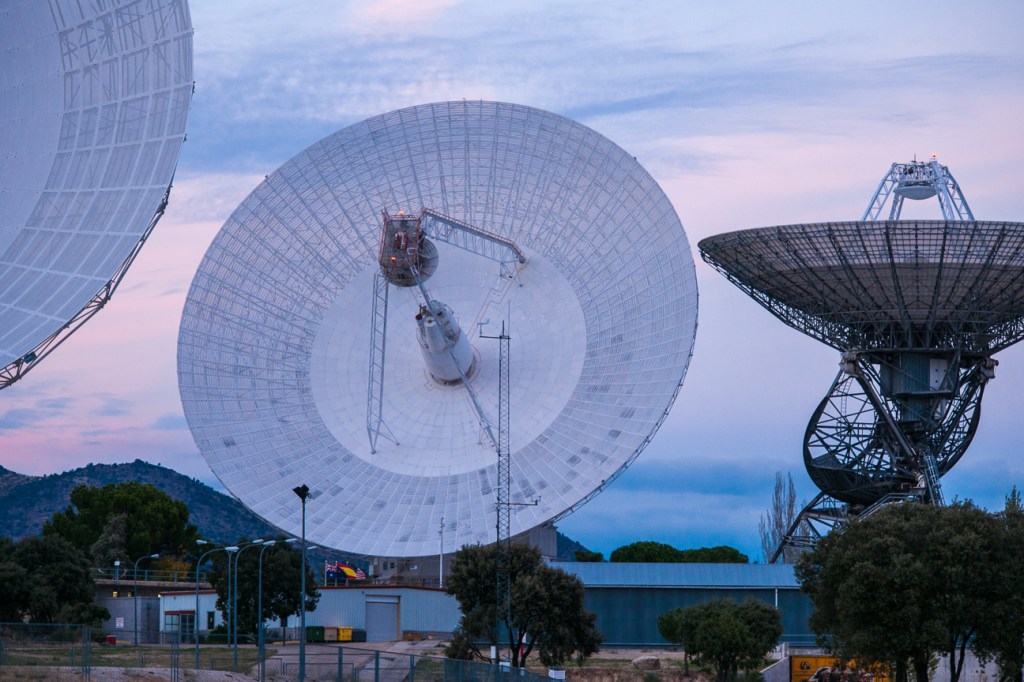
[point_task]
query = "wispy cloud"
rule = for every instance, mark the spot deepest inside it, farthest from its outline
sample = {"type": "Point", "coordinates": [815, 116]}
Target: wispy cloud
{"type": "Point", "coordinates": [170, 422]}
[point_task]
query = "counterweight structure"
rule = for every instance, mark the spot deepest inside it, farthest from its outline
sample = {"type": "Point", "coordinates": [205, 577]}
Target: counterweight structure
{"type": "Point", "coordinates": [916, 309]}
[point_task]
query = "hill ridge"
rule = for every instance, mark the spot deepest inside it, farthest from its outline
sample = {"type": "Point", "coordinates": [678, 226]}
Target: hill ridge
{"type": "Point", "coordinates": [27, 502]}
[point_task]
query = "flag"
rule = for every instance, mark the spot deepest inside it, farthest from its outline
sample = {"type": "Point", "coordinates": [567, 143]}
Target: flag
{"type": "Point", "coordinates": [342, 570]}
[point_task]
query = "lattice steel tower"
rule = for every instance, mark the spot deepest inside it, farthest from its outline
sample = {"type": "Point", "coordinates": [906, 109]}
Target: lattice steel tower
{"type": "Point", "coordinates": [916, 309]}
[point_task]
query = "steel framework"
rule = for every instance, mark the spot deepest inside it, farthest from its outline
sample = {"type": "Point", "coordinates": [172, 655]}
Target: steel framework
{"type": "Point", "coordinates": [916, 308]}
{"type": "Point", "coordinates": [464, 236]}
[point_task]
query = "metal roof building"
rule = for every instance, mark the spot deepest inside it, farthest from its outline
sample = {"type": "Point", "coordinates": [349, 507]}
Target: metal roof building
{"type": "Point", "coordinates": [628, 598]}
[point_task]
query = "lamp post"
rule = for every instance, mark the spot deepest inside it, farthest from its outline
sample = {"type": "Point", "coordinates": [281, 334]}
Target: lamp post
{"type": "Point", "coordinates": [227, 602]}
{"type": "Point", "coordinates": [135, 596]}
{"type": "Point", "coordinates": [259, 604]}
{"type": "Point", "coordinates": [234, 600]}
{"type": "Point", "coordinates": [303, 492]}
{"type": "Point", "coordinates": [199, 564]}
{"type": "Point", "coordinates": [259, 607]}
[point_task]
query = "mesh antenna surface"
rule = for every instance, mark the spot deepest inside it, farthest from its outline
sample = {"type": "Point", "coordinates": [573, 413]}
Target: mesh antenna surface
{"type": "Point", "coordinates": [916, 308]}
{"type": "Point", "coordinates": [93, 101]}
{"type": "Point", "coordinates": [333, 334]}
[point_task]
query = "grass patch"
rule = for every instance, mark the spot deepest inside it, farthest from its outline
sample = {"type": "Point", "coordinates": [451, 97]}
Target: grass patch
{"type": "Point", "coordinates": [210, 657]}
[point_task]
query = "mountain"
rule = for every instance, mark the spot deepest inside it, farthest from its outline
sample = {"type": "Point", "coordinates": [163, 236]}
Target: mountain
{"type": "Point", "coordinates": [26, 502]}
{"type": "Point", "coordinates": [567, 547]}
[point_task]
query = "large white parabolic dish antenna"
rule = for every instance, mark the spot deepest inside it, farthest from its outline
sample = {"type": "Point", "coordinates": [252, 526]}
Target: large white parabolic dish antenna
{"type": "Point", "coordinates": [93, 101]}
{"type": "Point", "coordinates": [275, 342]}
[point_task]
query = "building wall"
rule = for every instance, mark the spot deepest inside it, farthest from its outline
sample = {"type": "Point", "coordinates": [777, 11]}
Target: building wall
{"type": "Point", "coordinates": [420, 609]}
{"type": "Point", "coordinates": [628, 616]}
{"type": "Point", "coordinates": [123, 612]}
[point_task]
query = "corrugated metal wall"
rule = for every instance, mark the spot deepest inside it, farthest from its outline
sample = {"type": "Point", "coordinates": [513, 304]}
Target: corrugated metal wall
{"type": "Point", "coordinates": [628, 616]}
{"type": "Point", "coordinates": [420, 610]}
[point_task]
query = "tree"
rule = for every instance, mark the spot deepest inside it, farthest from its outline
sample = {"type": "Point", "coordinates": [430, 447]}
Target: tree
{"type": "Point", "coordinates": [658, 552]}
{"type": "Point", "coordinates": [720, 554]}
{"type": "Point", "coordinates": [646, 552]}
{"type": "Point", "coordinates": [677, 629]}
{"type": "Point", "coordinates": [1001, 636]}
{"type": "Point", "coordinates": [14, 591]}
{"type": "Point", "coordinates": [282, 583]}
{"type": "Point", "coordinates": [546, 610]}
{"type": "Point", "coordinates": [587, 556]}
{"type": "Point", "coordinates": [154, 521]}
{"type": "Point", "coordinates": [110, 545]}
{"type": "Point", "coordinates": [777, 521]}
{"type": "Point", "coordinates": [727, 635]}
{"type": "Point", "coordinates": [59, 584]}
{"type": "Point", "coordinates": [906, 582]}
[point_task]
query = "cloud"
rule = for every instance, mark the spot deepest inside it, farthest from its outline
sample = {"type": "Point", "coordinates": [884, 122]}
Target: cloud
{"type": "Point", "coordinates": [170, 422]}
{"type": "Point", "coordinates": [17, 419]}
{"type": "Point", "coordinates": [111, 406]}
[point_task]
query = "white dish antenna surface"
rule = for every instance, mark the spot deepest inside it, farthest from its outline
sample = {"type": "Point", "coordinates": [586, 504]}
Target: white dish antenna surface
{"type": "Point", "coordinates": [93, 102]}
{"type": "Point", "coordinates": [275, 346]}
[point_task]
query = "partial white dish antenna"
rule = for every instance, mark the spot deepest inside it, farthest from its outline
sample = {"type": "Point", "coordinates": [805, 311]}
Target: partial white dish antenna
{"type": "Point", "coordinates": [93, 102]}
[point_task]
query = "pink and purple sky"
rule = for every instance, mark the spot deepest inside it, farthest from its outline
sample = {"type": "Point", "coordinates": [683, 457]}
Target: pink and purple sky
{"type": "Point", "coordinates": [747, 113]}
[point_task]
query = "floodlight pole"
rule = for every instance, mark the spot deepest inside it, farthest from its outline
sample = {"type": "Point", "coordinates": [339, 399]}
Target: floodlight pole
{"type": "Point", "coordinates": [234, 600]}
{"type": "Point", "coordinates": [135, 595]}
{"type": "Point", "coordinates": [440, 557]}
{"type": "Point", "coordinates": [199, 564]}
{"type": "Point", "coordinates": [259, 607]}
{"type": "Point", "coordinates": [303, 492]}
{"type": "Point", "coordinates": [227, 605]}
{"type": "Point", "coordinates": [503, 491]}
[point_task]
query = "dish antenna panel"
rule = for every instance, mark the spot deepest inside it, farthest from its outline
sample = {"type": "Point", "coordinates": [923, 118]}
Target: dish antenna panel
{"type": "Point", "coordinates": [95, 97]}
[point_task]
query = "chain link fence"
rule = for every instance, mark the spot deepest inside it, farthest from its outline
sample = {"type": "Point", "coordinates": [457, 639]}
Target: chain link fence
{"type": "Point", "coordinates": [30, 649]}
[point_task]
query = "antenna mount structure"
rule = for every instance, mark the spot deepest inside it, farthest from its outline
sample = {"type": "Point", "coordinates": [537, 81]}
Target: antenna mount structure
{"type": "Point", "coordinates": [916, 309]}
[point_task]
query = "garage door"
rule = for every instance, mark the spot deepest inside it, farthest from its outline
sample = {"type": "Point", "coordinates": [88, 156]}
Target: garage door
{"type": "Point", "coordinates": [381, 619]}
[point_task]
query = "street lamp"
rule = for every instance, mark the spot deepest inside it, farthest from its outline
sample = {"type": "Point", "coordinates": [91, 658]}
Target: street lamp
{"type": "Point", "coordinates": [199, 564]}
{"type": "Point", "coordinates": [227, 602]}
{"type": "Point", "coordinates": [303, 492]}
{"type": "Point", "coordinates": [234, 600]}
{"type": "Point", "coordinates": [259, 604]}
{"type": "Point", "coordinates": [135, 595]}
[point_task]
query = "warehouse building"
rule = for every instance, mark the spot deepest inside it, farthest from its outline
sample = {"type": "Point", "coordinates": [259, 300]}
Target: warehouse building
{"type": "Point", "coordinates": [627, 599]}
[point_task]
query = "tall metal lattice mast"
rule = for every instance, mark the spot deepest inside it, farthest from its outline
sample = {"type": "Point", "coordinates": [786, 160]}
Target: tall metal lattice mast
{"type": "Point", "coordinates": [503, 493]}
{"type": "Point", "coordinates": [916, 309]}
